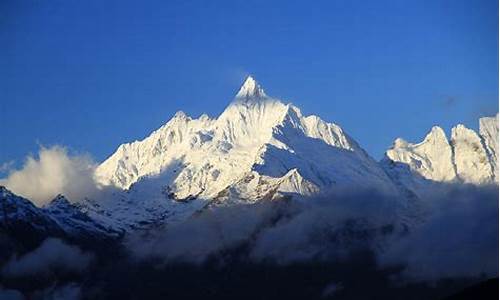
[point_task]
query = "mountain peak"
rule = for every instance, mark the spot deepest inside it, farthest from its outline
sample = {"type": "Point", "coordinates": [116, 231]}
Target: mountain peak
{"type": "Point", "coordinates": [436, 134]}
{"type": "Point", "coordinates": [58, 201]}
{"type": "Point", "coordinates": [250, 90]}
{"type": "Point", "coordinates": [60, 198]}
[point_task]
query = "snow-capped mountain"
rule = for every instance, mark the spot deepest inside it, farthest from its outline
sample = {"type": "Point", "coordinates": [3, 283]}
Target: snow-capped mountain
{"type": "Point", "coordinates": [72, 220]}
{"type": "Point", "coordinates": [18, 212]}
{"type": "Point", "coordinates": [255, 133]}
{"type": "Point", "coordinates": [58, 218]}
{"type": "Point", "coordinates": [467, 157]}
{"type": "Point", "coordinates": [258, 148]}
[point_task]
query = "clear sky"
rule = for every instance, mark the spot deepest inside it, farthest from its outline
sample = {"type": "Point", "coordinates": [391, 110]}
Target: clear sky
{"type": "Point", "coordinates": [93, 74]}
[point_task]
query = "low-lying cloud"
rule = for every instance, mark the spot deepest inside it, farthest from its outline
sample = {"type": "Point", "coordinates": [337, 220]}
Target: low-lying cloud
{"type": "Point", "coordinates": [328, 228]}
{"type": "Point", "coordinates": [208, 233]}
{"type": "Point", "coordinates": [53, 255]}
{"type": "Point", "coordinates": [70, 291]}
{"type": "Point", "coordinates": [53, 172]}
{"type": "Point", "coordinates": [9, 294]}
{"type": "Point", "coordinates": [452, 234]}
{"type": "Point", "coordinates": [281, 232]}
{"type": "Point", "coordinates": [458, 239]}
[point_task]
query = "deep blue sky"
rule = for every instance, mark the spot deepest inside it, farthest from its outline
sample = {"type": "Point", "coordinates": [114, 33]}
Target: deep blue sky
{"type": "Point", "coordinates": [93, 74]}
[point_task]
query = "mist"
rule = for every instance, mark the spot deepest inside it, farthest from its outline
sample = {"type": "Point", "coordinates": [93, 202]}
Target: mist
{"type": "Point", "coordinates": [459, 237]}
{"type": "Point", "coordinates": [455, 236]}
{"type": "Point", "coordinates": [53, 255]}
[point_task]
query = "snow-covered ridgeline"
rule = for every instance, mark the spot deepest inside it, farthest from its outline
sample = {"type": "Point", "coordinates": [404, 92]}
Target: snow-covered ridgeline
{"type": "Point", "coordinates": [467, 157]}
{"type": "Point", "coordinates": [205, 156]}
{"type": "Point", "coordinates": [259, 148]}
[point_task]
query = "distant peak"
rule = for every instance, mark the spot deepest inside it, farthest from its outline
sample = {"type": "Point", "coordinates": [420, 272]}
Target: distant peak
{"type": "Point", "coordinates": [250, 89]}
{"type": "Point", "coordinates": [59, 199]}
{"type": "Point", "coordinates": [436, 133]}
{"type": "Point", "coordinates": [400, 143]}
{"type": "Point", "coordinates": [180, 114]}
{"type": "Point", "coordinates": [460, 131]}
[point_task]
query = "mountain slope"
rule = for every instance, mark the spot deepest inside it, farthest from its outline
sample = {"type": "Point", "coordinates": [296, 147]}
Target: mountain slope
{"type": "Point", "coordinates": [72, 220]}
{"type": "Point", "coordinates": [58, 218]}
{"type": "Point", "coordinates": [20, 213]}
{"type": "Point", "coordinates": [488, 129]}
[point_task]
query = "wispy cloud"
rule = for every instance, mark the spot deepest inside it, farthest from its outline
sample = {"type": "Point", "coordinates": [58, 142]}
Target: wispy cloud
{"type": "Point", "coordinates": [52, 255]}
{"type": "Point", "coordinates": [281, 232]}
{"type": "Point", "coordinates": [456, 236]}
{"type": "Point", "coordinates": [459, 238]}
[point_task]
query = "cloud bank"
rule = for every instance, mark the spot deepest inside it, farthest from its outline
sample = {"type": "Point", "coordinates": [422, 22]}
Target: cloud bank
{"type": "Point", "coordinates": [53, 172]}
{"type": "Point", "coordinates": [53, 255]}
{"type": "Point", "coordinates": [456, 234]}
{"type": "Point", "coordinates": [206, 234]}
{"type": "Point", "coordinates": [458, 239]}
{"type": "Point", "coordinates": [8, 294]}
{"type": "Point", "coordinates": [279, 232]}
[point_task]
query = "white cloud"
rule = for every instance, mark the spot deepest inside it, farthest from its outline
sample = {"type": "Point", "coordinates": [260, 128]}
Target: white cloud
{"type": "Point", "coordinates": [281, 232]}
{"type": "Point", "coordinates": [52, 255]}
{"type": "Point", "coordinates": [459, 238]}
{"type": "Point", "coordinates": [204, 235]}
{"type": "Point", "coordinates": [54, 171]}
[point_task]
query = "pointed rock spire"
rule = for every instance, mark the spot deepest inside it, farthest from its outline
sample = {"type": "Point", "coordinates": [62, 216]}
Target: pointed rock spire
{"type": "Point", "coordinates": [250, 90]}
{"type": "Point", "coordinates": [436, 135]}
